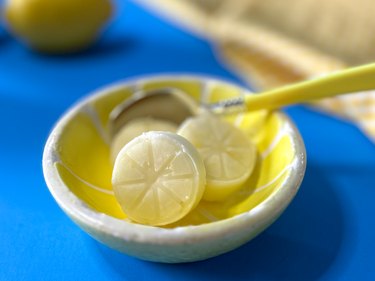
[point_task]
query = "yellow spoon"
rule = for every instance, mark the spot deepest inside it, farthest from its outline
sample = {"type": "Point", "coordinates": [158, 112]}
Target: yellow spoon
{"type": "Point", "coordinates": [173, 105]}
{"type": "Point", "coordinates": [350, 80]}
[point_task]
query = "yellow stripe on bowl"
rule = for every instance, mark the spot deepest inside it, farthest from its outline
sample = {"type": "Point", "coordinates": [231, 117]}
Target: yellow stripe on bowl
{"type": "Point", "coordinates": [215, 91]}
{"type": "Point", "coordinates": [189, 86]}
{"type": "Point", "coordinates": [83, 150]}
{"type": "Point", "coordinates": [97, 198]}
{"type": "Point", "coordinates": [105, 104]}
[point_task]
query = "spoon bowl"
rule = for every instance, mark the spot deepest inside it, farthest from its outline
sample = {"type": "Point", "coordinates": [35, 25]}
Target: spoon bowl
{"type": "Point", "coordinates": [156, 104]}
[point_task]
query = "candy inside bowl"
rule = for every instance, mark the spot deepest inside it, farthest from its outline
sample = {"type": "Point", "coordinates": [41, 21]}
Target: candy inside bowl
{"type": "Point", "coordinates": [78, 169]}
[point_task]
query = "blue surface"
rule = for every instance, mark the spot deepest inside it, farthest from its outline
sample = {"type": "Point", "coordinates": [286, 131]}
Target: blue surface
{"type": "Point", "coordinates": [327, 233]}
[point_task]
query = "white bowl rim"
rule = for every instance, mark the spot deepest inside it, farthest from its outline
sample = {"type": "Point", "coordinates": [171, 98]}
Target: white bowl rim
{"type": "Point", "coordinates": [80, 212]}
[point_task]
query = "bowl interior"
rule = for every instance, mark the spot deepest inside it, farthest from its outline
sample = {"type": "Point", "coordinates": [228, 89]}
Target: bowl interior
{"type": "Point", "coordinates": [83, 155]}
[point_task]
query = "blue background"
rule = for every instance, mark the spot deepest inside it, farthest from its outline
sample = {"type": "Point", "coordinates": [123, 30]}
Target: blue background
{"type": "Point", "coordinates": [327, 233]}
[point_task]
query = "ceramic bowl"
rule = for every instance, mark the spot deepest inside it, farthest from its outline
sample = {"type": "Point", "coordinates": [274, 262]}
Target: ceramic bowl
{"type": "Point", "coordinates": [77, 169]}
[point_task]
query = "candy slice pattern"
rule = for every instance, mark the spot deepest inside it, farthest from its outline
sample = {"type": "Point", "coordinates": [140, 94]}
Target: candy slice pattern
{"type": "Point", "coordinates": [158, 178]}
{"type": "Point", "coordinates": [228, 154]}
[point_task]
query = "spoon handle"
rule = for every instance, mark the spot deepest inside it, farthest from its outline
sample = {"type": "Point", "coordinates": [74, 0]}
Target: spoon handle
{"type": "Point", "coordinates": [351, 80]}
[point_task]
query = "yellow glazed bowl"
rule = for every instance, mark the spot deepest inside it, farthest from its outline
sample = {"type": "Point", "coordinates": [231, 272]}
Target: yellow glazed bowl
{"type": "Point", "coordinates": [77, 169]}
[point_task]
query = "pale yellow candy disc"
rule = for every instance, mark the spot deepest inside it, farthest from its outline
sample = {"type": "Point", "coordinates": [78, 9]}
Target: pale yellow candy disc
{"type": "Point", "coordinates": [158, 178]}
{"type": "Point", "coordinates": [228, 154]}
{"type": "Point", "coordinates": [136, 127]}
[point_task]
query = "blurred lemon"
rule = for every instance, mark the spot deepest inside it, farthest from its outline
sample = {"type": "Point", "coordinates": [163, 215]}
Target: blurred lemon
{"type": "Point", "coordinates": [57, 26]}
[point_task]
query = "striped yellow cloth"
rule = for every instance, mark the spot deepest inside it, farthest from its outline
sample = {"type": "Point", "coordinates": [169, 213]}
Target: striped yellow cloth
{"type": "Point", "coordinates": [271, 43]}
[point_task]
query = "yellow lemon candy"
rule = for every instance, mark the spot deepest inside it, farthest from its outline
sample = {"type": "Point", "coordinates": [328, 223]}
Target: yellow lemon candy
{"type": "Point", "coordinates": [228, 154]}
{"type": "Point", "coordinates": [136, 127]}
{"type": "Point", "coordinates": [57, 26]}
{"type": "Point", "coordinates": [158, 178]}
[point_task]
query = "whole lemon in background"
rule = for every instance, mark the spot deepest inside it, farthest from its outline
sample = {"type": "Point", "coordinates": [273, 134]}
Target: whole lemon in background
{"type": "Point", "coordinates": [57, 26]}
